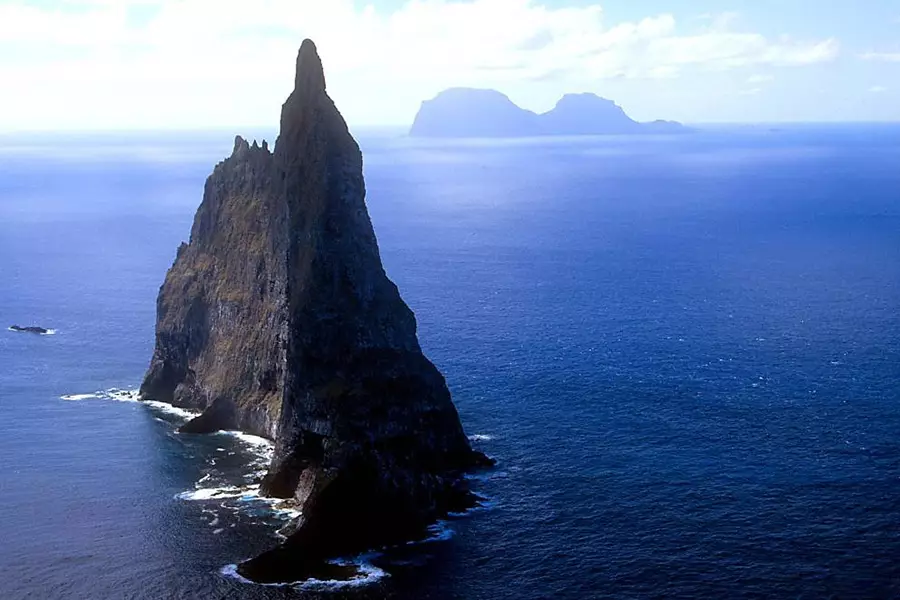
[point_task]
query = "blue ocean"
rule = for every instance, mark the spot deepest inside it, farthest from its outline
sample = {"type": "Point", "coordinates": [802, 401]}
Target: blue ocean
{"type": "Point", "coordinates": [684, 353]}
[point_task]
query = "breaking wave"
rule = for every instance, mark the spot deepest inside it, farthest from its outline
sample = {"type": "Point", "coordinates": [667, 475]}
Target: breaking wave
{"type": "Point", "coordinates": [132, 395]}
{"type": "Point", "coordinates": [367, 574]}
{"type": "Point", "coordinates": [77, 397]}
{"type": "Point", "coordinates": [175, 411]}
{"type": "Point", "coordinates": [112, 394]}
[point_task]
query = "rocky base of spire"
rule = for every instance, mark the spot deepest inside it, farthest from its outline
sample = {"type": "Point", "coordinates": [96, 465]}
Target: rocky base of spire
{"type": "Point", "coordinates": [361, 508]}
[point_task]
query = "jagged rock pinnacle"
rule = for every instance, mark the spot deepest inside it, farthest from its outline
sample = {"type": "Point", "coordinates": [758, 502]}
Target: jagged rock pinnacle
{"type": "Point", "coordinates": [279, 320]}
{"type": "Point", "coordinates": [240, 145]}
{"type": "Point", "coordinates": [310, 76]}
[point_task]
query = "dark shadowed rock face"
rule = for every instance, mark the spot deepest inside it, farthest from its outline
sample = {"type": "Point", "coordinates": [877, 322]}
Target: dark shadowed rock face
{"type": "Point", "coordinates": [278, 319]}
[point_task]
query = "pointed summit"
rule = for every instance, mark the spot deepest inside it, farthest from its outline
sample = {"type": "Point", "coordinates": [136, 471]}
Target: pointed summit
{"type": "Point", "coordinates": [279, 320]}
{"type": "Point", "coordinates": [310, 76]}
{"type": "Point", "coordinates": [307, 103]}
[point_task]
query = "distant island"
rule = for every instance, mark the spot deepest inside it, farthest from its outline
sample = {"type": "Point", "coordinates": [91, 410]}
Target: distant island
{"type": "Point", "coordinates": [466, 112]}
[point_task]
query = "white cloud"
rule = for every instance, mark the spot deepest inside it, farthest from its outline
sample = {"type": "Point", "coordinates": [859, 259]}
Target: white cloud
{"type": "Point", "coordinates": [759, 78]}
{"type": "Point", "coordinates": [881, 56]}
{"type": "Point", "coordinates": [206, 62]}
{"type": "Point", "coordinates": [877, 89]}
{"type": "Point", "coordinates": [727, 50]}
{"type": "Point", "coordinates": [725, 20]}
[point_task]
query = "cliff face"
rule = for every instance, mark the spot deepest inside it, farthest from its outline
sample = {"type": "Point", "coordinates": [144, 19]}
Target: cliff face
{"type": "Point", "coordinates": [461, 112]}
{"type": "Point", "coordinates": [278, 319]}
{"type": "Point", "coordinates": [221, 323]}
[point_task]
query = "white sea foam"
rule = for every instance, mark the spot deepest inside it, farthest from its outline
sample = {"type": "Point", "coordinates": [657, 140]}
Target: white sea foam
{"type": "Point", "coordinates": [168, 409]}
{"type": "Point", "coordinates": [133, 395]}
{"type": "Point", "coordinates": [367, 574]}
{"type": "Point", "coordinates": [442, 530]}
{"type": "Point", "coordinates": [254, 441]}
{"type": "Point", "coordinates": [261, 448]}
{"type": "Point", "coordinates": [216, 493]}
{"type": "Point", "coordinates": [480, 437]}
{"type": "Point", "coordinates": [439, 532]}
{"type": "Point", "coordinates": [214, 520]}
{"type": "Point", "coordinates": [231, 572]}
{"type": "Point", "coordinates": [122, 395]}
{"type": "Point", "coordinates": [279, 508]}
{"type": "Point", "coordinates": [229, 497]}
{"type": "Point", "coordinates": [77, 397]}
{"type": "Point", "coordinates": [115, 395]}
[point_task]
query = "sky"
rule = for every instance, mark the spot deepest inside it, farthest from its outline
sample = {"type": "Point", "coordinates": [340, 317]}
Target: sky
{"type": "Point", "coordinates": [195, 64]}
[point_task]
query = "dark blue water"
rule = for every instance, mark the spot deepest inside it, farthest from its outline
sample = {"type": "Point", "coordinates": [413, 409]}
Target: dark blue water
{"type": "Point", "coordinates": [684, 352]}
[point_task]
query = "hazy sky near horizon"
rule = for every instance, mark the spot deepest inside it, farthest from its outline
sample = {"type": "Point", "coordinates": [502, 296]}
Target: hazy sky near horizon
{"type": "Point", "coordinates": [127, 64]}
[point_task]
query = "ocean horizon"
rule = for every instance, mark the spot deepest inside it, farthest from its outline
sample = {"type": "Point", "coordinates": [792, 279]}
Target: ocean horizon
{"type": "Point", "coordinates": [683, 352]}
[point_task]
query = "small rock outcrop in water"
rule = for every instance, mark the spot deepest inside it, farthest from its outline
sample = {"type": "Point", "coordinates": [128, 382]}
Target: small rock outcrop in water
{"type": "Point", "coordinates": [32, 329]}
{"type": "Point", "coordinates": [463, 112]}
{"type": "Point", "coordinates": [278, 319]}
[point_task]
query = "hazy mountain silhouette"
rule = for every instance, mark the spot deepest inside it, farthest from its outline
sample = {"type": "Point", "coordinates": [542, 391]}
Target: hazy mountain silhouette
{"type": "Point", "coordinates": [465, 112]}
